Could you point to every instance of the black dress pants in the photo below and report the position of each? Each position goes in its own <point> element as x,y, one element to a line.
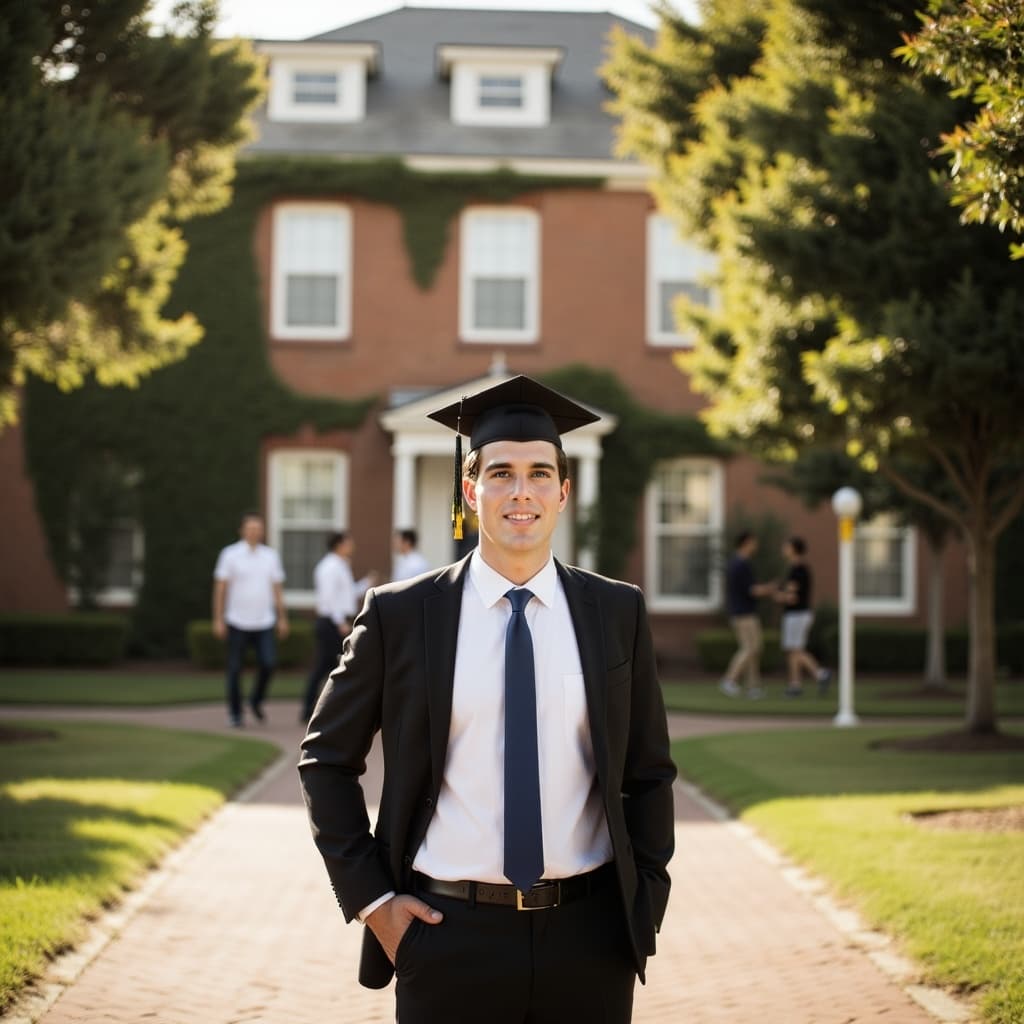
<point>486,964</point>
<point>328,648</point>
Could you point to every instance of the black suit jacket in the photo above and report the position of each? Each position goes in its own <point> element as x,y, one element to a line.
<point>396,676</point>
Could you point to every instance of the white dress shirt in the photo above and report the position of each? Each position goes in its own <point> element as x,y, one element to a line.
<point>409,564</point>
<point>465,838</point>
<point>337,593</point>
<point>250,573</point>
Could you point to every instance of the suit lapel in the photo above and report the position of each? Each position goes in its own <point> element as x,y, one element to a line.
<point>589,629</point>
<point>441,612</point>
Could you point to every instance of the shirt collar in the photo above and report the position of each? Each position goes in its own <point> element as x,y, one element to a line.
<point>492,586</point>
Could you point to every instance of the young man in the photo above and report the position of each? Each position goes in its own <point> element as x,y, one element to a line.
<point>248,601</point>
<point>517,871</point>
<point>741,594</point>
<point>337,601</point>
<point>408,560</point>
<point>797,617</point>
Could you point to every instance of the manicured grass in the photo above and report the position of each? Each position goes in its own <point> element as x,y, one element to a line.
<point>829,801</point>
<point>873,698</point>
<point>85,811</point>
<point>128,688</point>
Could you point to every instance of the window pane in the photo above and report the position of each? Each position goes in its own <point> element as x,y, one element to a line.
<point>501,91</point>
<point>685,496</point>
<point>499,302</point>
<point>313,240</point>
<point>121,570</point>
<point>878,566</point>
<point>684,566</point>
<point>315,87</point>
<point>668,292</point>
<point>311,300</point>
<point>501,244</point>
<point>307,490</point>
<point>300,551</point>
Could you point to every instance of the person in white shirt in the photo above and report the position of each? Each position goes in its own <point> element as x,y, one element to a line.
<point>337,601</point>
<point>408,560</point>
<point>248,603</point>
<point>526,756</point>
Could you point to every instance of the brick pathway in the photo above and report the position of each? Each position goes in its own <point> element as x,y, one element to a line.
<point>240,927</point>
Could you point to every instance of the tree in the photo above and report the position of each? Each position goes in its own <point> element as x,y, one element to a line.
<point>855,310</point>
<point>111,137</point>
<point>977,47</point>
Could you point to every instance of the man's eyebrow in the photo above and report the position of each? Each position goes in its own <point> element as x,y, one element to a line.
<point>508,465</point>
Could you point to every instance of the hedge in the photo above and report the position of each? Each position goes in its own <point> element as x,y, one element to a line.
<point>877,648</point>
<point>208,651</point>
<point>77,638</point>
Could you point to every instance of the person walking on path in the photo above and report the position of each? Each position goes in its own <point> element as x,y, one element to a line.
<point>409,561</point>
<point>526,756</point>
<point>797,618</point>
<point>337,601</point>
<point>741,594</point>
<point>248,602</point>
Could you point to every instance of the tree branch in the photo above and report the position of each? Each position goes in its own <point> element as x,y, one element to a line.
<point>923,496</point>
<point>1013,495</point>
<point>958,481</point>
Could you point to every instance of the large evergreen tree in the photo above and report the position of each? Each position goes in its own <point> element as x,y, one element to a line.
<point>112,135</point>
<point>855,309</point>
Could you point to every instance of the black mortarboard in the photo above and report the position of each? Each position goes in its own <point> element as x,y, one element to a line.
<point>520,409</point>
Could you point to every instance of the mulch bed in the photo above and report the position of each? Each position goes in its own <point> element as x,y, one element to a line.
<point>17,734</point>
<point>976,819</point>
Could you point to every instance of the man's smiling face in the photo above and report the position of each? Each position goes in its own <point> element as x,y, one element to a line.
<point>517,497</point>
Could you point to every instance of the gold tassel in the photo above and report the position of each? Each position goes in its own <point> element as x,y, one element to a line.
<point>457,512</point>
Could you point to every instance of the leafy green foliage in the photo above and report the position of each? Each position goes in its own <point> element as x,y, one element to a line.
<point>112,137</point>
<point>95,638</point>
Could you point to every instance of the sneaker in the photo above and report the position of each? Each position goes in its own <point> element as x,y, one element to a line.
<point>824,678</point>
<point>257,711</point>
<point>729,688</point>
<point>794,691</point>
<point>235,721</point>
<point>755,693</point>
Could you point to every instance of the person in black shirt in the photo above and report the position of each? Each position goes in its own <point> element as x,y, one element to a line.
<point>741,594</point>
<point>797,616</point>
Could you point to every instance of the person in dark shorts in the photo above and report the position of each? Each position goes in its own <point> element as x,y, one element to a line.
<point>797,618</point>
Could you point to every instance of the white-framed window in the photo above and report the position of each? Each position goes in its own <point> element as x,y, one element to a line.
<point>311,291</point>
<point>318,89</point>
<point>684,519</point>
<point>884,567</point>
<point>499,275</point>
<point>674,268</point>
<point>500,86</point>
<point>307,500</point>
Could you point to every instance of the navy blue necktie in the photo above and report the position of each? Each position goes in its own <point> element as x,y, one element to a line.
<point>524,841</point>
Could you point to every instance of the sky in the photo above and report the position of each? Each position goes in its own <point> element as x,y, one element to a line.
<point>297,19</point>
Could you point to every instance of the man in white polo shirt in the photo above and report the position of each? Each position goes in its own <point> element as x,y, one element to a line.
<point>248,601</point>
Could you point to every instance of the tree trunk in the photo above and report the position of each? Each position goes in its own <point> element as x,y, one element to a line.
<point>935,661</point>
<point>981,677</point>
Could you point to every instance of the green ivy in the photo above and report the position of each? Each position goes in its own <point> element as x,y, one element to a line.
<point>642,437</point>
<point>192,431</point>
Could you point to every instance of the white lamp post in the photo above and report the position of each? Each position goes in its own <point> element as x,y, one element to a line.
<point>846,504</point>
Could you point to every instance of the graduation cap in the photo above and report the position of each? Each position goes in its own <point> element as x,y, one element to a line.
<point>520,409</point>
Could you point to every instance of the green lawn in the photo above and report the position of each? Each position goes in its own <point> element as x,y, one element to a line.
<point>873,698</point>
<point>121,687</point>
<point>829,801</point>
<point>85,811</point>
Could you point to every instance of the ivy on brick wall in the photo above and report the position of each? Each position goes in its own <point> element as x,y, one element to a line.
<point>642,437</point>
<point>187,441</point>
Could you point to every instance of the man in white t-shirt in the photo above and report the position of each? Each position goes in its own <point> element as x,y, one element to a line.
<point>248,602</point>
<point>408,560</point>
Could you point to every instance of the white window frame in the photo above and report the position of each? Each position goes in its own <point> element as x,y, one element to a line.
<point>713,530</point>
<point>468,331</point>
<point>661,232</point>
<point>303,596</point>
<point>906,603</point>
<point>282,330</point>
<point>349,106</point>
<point>122,597</point>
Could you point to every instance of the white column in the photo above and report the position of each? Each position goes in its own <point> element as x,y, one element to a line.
<point>586,502</point>
<point>403,505</point>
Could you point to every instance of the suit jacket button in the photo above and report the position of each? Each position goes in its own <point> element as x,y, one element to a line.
<point>429,801</point>
<point>407,860</point>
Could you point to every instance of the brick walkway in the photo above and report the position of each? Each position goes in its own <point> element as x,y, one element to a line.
<point>240,927</point>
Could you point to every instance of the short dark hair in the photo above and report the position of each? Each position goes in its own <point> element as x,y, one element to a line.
<point>250,513</point>
<point>409,536</point>
<point>742,537</point>
<point>339,537</point>
<point>471,465</point>
<point>798,544</point>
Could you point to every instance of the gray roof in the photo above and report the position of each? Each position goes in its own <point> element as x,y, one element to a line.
<point>407,103</point>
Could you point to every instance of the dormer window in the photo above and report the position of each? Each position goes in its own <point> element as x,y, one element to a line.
<point>322,82</point>
<point>499,85</point>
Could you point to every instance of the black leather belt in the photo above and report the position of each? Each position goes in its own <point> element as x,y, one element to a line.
<point>542,896</point>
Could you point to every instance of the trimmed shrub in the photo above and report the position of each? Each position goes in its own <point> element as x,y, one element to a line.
<point>71,638</point>
<point>716,646</point>
<point>209,651</point>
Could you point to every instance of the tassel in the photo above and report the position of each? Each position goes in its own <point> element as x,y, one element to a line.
<point>457,511</point>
